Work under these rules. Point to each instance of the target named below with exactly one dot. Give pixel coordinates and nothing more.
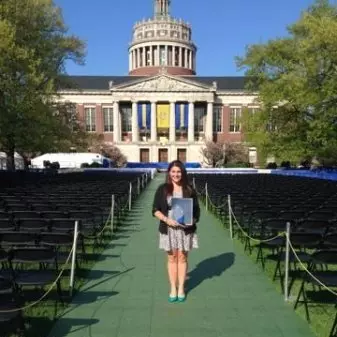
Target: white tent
(68, 160)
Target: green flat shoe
(181, 298)
(172, 299)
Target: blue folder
(182, 211)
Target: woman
(177, 241)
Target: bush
(285, 164)
(238, 165)
(271, 166)
(95, 165)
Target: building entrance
(163, 155)
(181, 155)
(144, 155)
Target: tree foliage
(34, 47)
(220, 154)
(98, 145)
(296, 79)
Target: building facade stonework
(162, 111)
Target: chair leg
(277, 272)
(260, 256)
(333, 332)
(299, 295)
(304, 301)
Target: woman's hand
(171, 222)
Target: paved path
(127, 292)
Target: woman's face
(175, 174)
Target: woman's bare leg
(172, 268)
(182, 270)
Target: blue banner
(181, 114)
(144, 115)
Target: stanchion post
(286, 264)
(130, 196)
(193, 182)
(73, 260)
(206, 193)
(112, 213)
(138, 186)
(230, 216)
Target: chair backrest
(305, 240)
(33, 255)
(325, 256)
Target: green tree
(296, 80)
(34, 47)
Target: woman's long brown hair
(187, 190)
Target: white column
(166, 55)
(190, 134)
(180, 56)
(138, 57)
(144, 57)
(186, 58)
(135, 131)
(130, 60)
(133, 59)
(116, 120)
(209, 121)
(190, 60)
(153, 122)
(172, 122)
(151, 56)
(157, 56)
(173, 56)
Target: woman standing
(174, 239)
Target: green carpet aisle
(127, 292)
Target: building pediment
(163, 83)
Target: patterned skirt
(176, 239)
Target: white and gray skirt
(176, 239)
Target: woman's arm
(156, 205)
(157, 208)
(160, 216)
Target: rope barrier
(45, 294)
(281, 234)
(107, 223)
(307, 271)
(292, 249)
(215, 206)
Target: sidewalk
(128, 289)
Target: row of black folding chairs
(26, 274)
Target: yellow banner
(163, 115)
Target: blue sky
(221, 29)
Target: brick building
(162, 110)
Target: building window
(199, 118)
(271, 126)
(251, 113)
(234, 120)
(108, 119)
(90, 119)
(126, 115)
(217, 118)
